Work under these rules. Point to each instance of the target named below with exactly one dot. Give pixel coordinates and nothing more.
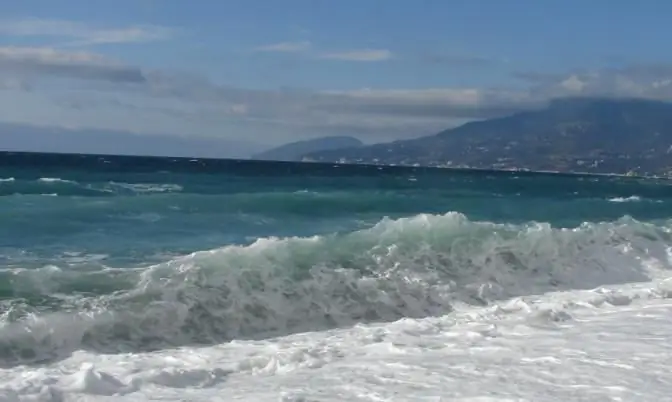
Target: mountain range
(621, 136)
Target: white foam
(603, 344)
(632, 198)
(55, 180)
(148, 187)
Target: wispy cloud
(82, 34)
(457, 60)
(363, 55)
(285, 47)
(22, 61)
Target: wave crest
(419, 266)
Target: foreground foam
(511, 350)
(416, 267)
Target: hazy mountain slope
(590, 135)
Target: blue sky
(268, 72)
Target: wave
(632, 198)
(425, 265)
(55, 180)
(147, 187)
(63, 187)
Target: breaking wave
(632, 198)
(425, 265)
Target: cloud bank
(121, 96)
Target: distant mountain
(295, 150)
(570, 135)
(24, 137)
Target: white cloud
(364, 55)
(83, 34)
(285, 47)
(573, 83)
(633, 81)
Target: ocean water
(129, 279)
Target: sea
(137, 278)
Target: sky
(253, 74)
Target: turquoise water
(126, 253)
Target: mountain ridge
(591, 135)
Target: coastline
(53, 159)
